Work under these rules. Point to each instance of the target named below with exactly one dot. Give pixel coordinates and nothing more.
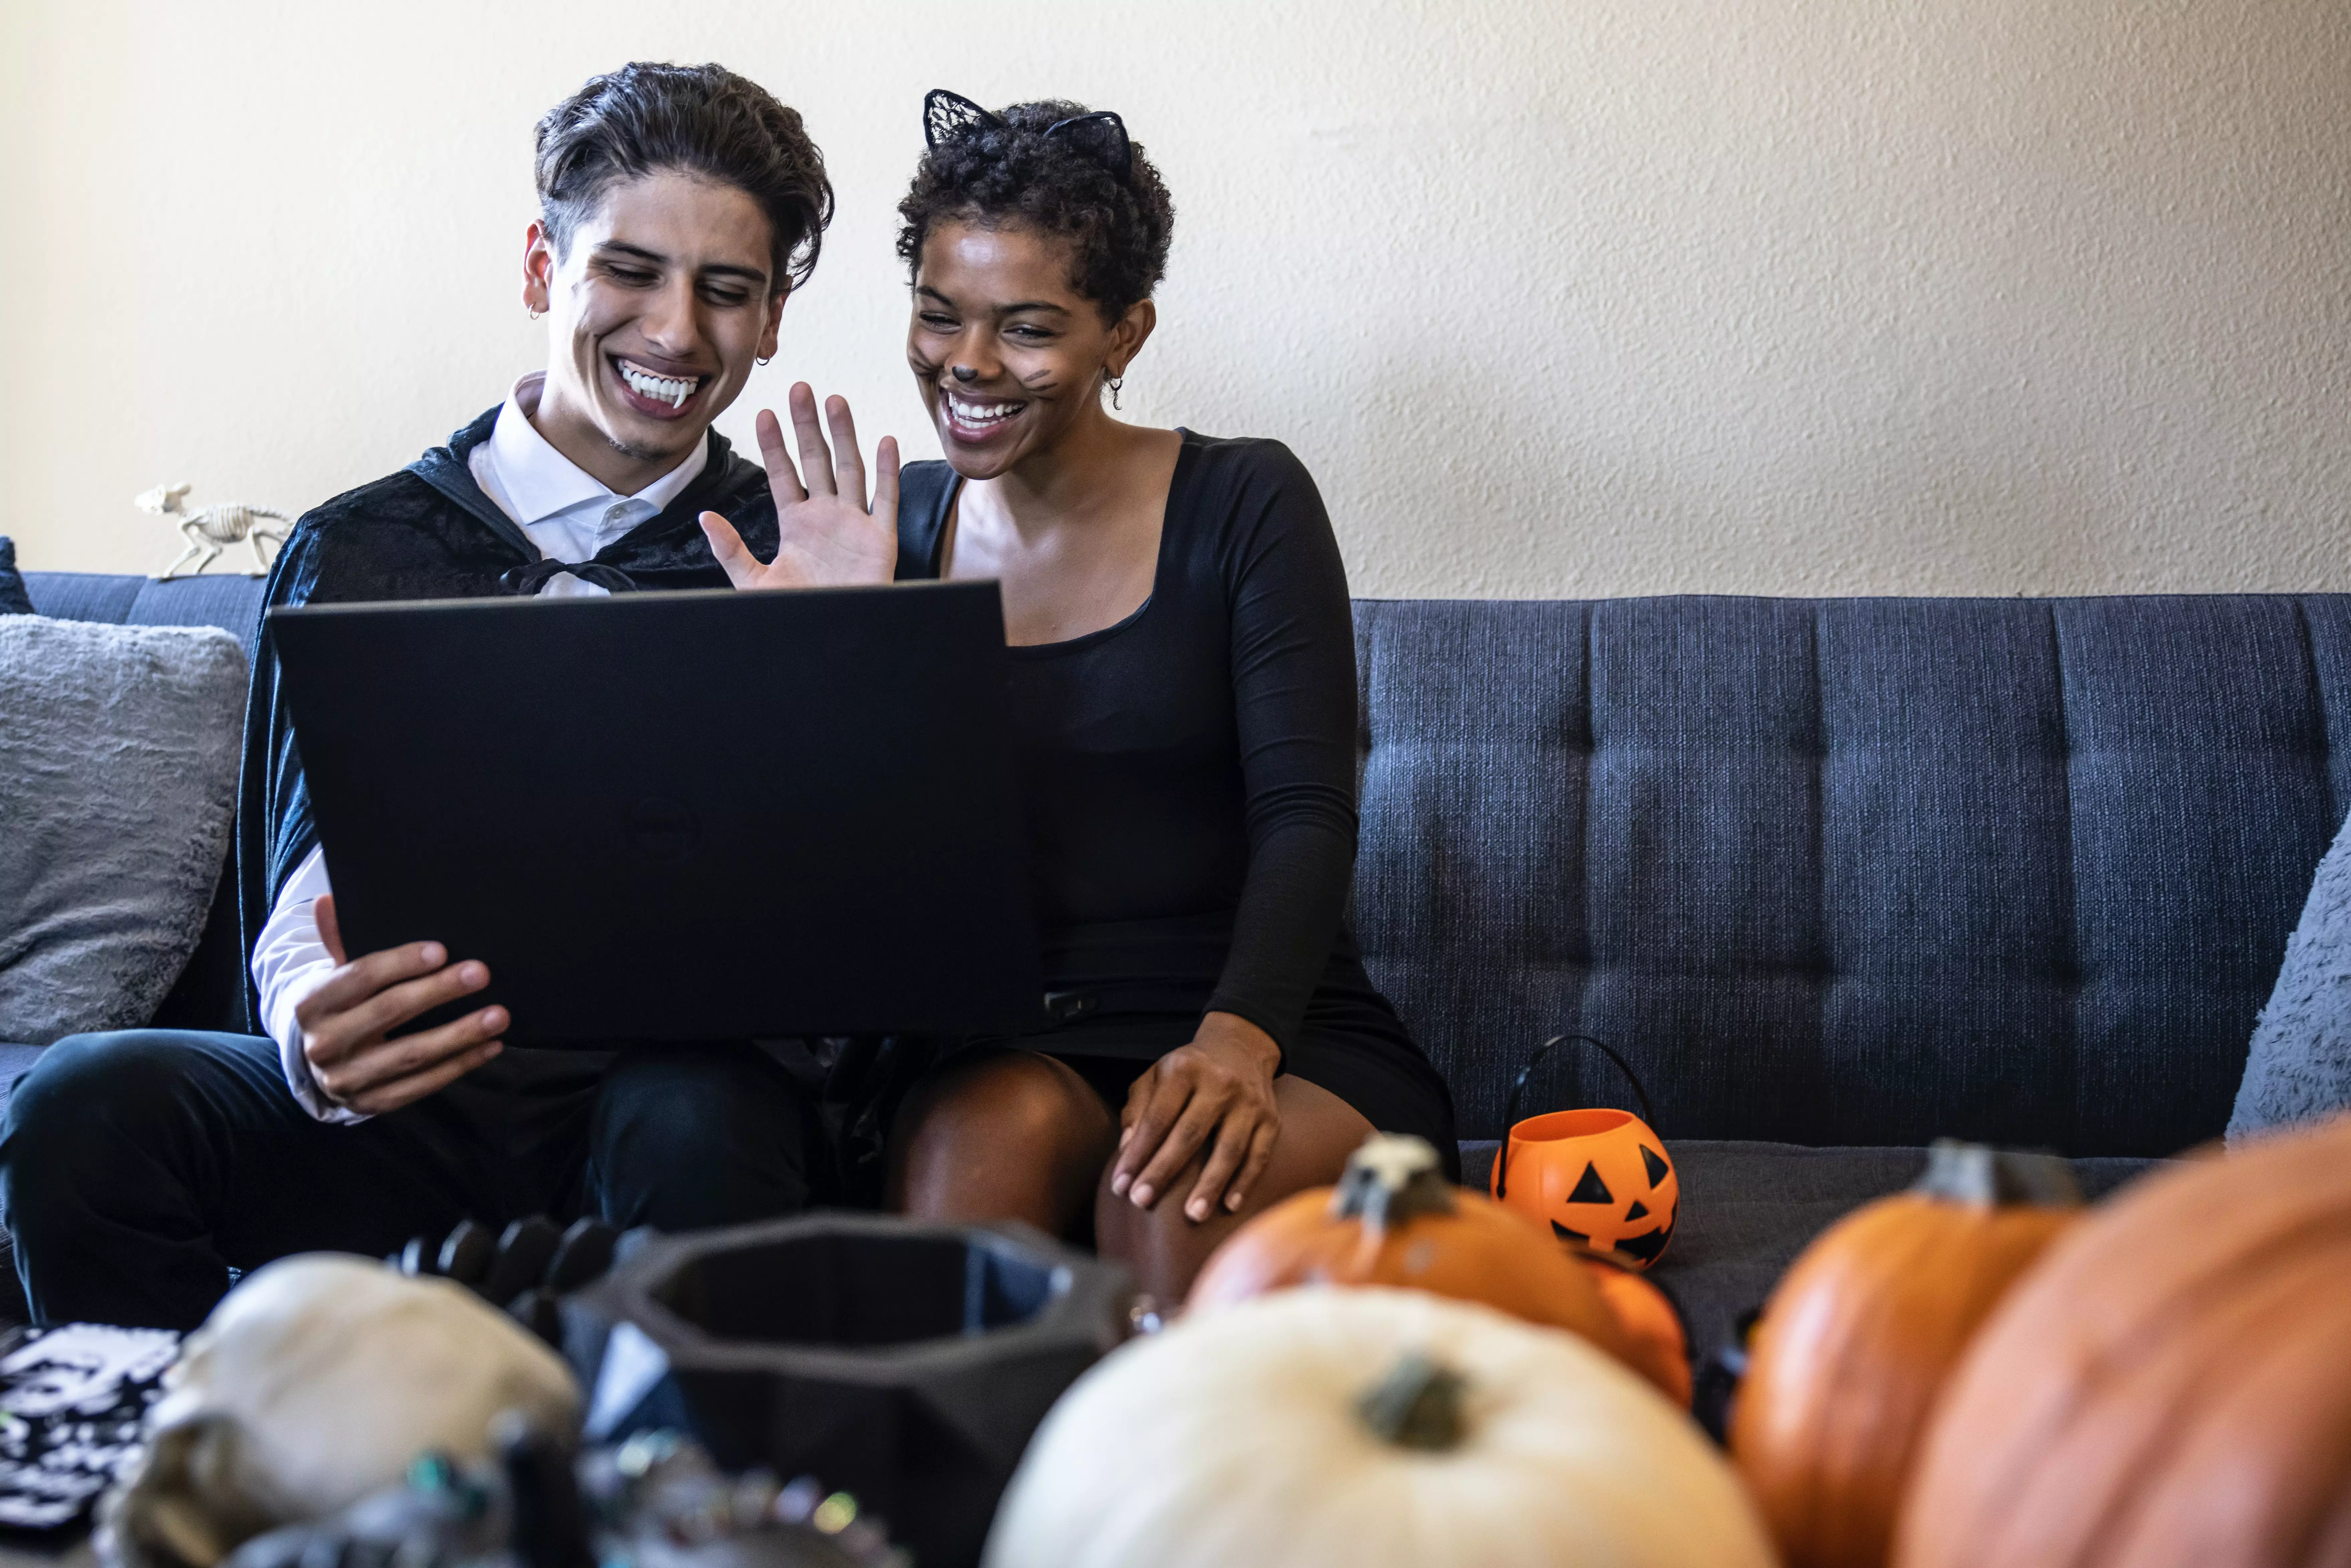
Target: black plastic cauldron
(904, 1363)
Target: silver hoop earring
(534, 314)
(769, 360)
(1115, 382)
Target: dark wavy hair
(698, 119)
(1117, 230)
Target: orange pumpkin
(1856, 1341)
(1598, 1178)
(1656, 1343)
(1393, 1220)
(2170, 1387)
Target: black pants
(137, 1168)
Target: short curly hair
(698, 119)
(1118, 230)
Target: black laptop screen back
(679, 816)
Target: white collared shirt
(570, 516)
(568, 513)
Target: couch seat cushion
(1747, 1208)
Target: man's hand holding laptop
(345, 1022)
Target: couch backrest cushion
(230, 602)
(1851, 871)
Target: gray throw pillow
(2300, 1065)
(14, 600)
(118, 783)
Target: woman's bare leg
(1012, 1135)
(1162, 1248)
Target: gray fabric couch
(1836, 876)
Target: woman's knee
(1164, 1247)
(1014, 1134)
(1011, 1093)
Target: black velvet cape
(429, 532)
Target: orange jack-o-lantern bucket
(1600, 1177)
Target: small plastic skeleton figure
(213, 530)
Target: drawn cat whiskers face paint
(1010, 357)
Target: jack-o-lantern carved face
(1600, 1178)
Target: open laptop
(679, 816)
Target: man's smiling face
(658, 306)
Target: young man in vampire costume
(679, 206)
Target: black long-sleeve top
(1189, 773)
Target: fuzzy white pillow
(118, 791)
(2299, 1068)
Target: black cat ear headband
(1100, 136)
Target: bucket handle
(1511, 1108)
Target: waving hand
(828, 537)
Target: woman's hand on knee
(1214, 1095)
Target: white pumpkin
(314, 1382)
(1250, 1437)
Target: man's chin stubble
(637, 452)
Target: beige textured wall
(1556, 297)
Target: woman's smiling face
(1008, 355)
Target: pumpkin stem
(1393, 1178)
(1988, 1177)
(1417, 1405)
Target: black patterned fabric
(72, 1400)
(1851, 872)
